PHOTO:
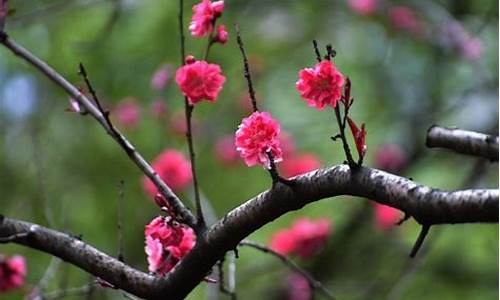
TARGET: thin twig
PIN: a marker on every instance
(420, 240)
(347, 150)
(188, 108)
(185, 214)
(248, 76)
(293, 266)
(316, 50)
(119, 222)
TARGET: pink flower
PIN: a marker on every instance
(359, 136)
(403, 17)
(226, 151)
(386, 216)
(258, 135)
(321, 85)
(298, 287)
(363, 7)
(205, 14)
(167, 242)
(173, 168)
(200, 80)
(12, 272)
(160, 77)
(128, 112)
(299, 164)
(158, 108)
(390, 157)
(222, 35)
(471, 48)
(305, 238)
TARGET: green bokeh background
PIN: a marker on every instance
(61, 169)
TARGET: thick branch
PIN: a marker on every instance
(462, 141)
(427, 205)
(134, 155)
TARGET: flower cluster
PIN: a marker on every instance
(167, 242)
(321, 86)
(205, 15)
(172, 168)
(12, 272)
(257, 137)
(200, 80)
(305, 238)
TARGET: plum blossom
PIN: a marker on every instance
(363, 7)
(200, 80)
(127, 112)
(404, 18)
(167, 242)
(386, 216)
(225, 150)
(390, 157)
(205, 14)
(321, 86)
(258, 135)
(299, 164)
(222, 35)
(298, 287)
(359, 136)
(304, 238)
(12, 272)
(158, 108)
(161, 77)
(173, 168)
(287, 143)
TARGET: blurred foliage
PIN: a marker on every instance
(62, 170)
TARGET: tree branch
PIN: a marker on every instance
(134, 155)
(462, 141)
(427, 205)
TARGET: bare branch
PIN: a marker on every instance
(462, 141)
(134, 155)
(315, 284)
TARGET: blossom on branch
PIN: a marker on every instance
(167, 242)
(321, 86)
(359, 136)
(305, 238)
(200, 80)
(258, 135)
(173, 168)
(205, 14)
(12, 272)
(222, 35)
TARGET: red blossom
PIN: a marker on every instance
(390, 157)
(225, 150)
(161, 77)
(12, 272)
(173, 168)
(305, 238)
(359, 136)
(258, 135)
(403, 17)
(167, 242)
(298, 287)
(205, 14)
(222, 35)
(321, 86)
(128, 112)
(299, 164)
(200, 80)
(386, 216)
(363, 7)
